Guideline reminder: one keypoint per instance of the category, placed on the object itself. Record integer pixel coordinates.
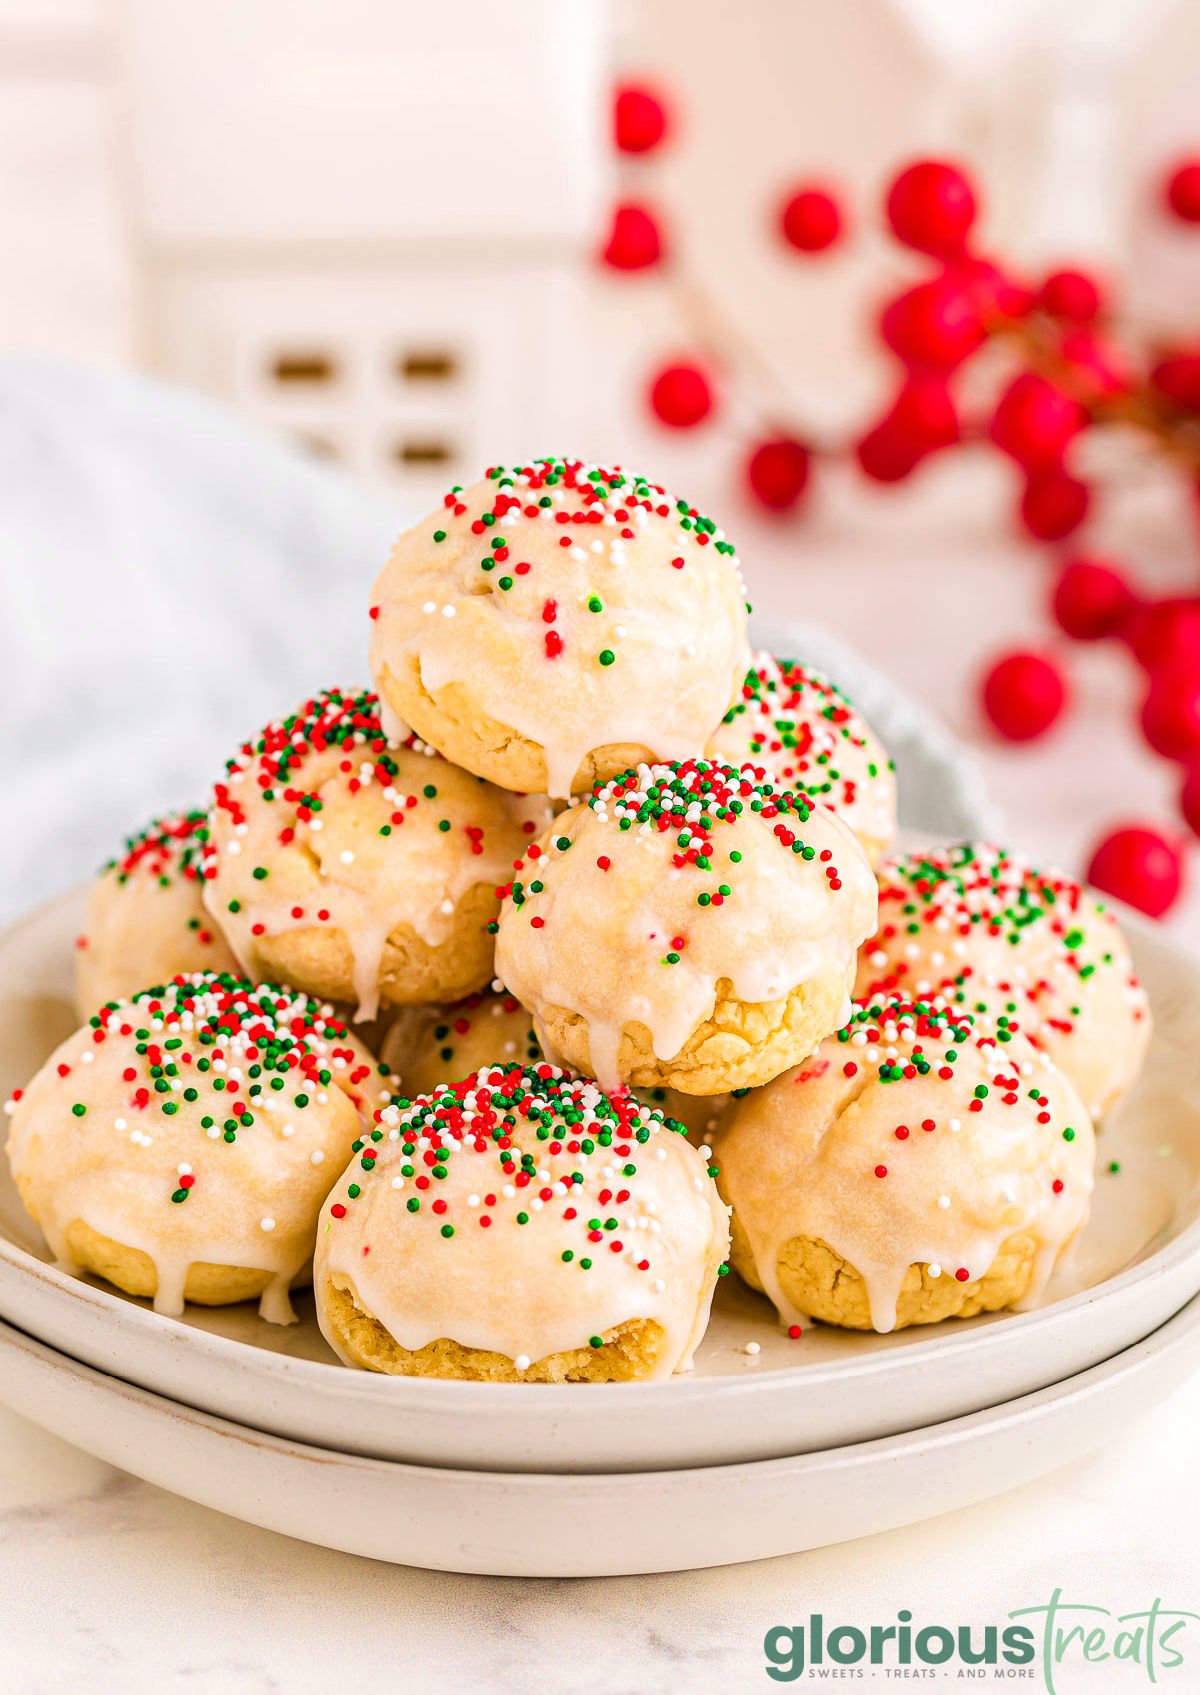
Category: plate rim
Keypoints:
(1174, 1333)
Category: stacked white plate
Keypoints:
(769, 1446)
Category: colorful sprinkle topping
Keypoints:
(801, 727)
(168, 848)
(538, 1141)
(978, 891)
(687, 800)
(593, 512)
(236, 1050)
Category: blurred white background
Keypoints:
(372, 229)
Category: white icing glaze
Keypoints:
(350, 832)
(999, 938)
(816, 1154)
(251, 1203)
(677, 632)
(794, 723)
(505, 1287)
(594, 941)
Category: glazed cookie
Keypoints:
(913, 1169)
(359, 869)
(688, 926)
(428, 1045)
(556, 623)
(986, 931)
(796, 725)
(181, 1143)
(520, 1227)
(145, 921)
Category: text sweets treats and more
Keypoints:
(180, 1144)
(522, 1226)
(688, 926)
(995, 937)
(797, 727)
(145, 920)
(916, 1167)
(360, 869)
(556, 623)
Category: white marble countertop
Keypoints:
(114, 1586)
(110, 1585)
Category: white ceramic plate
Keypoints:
(1138, 1264)
(547, 1525)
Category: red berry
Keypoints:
(777, 473)
(810, 220)
(1100, 368)
(1139, 866)
(1177, 379)
(1054, 504)
(1023, 694)
(1189, 799)
(923, 413)
(1070, 295)
(931, 206)
(1182, 190)
(1171, 713)
(935, 324)
(680, 396)
(634, 241)
(997, 294)
(639, 119)
(1091, 600)
(1166, 634)
(885, 455)
(1034, 421)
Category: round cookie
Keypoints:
(986, 931)
(688, 926)
(557, 622)
(180, 1144)
(914, 1168)
(520, 1227)
(145, 920)
(795, 724)
(362, 870)
(428, 1045)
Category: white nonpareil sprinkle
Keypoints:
(267, 1223)
(934, 1270)
(522, 1362)
(317, 1157)
(346, 857)
(943, 1201)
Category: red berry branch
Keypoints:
(1052, 371)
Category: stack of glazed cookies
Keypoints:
(512, 1003)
